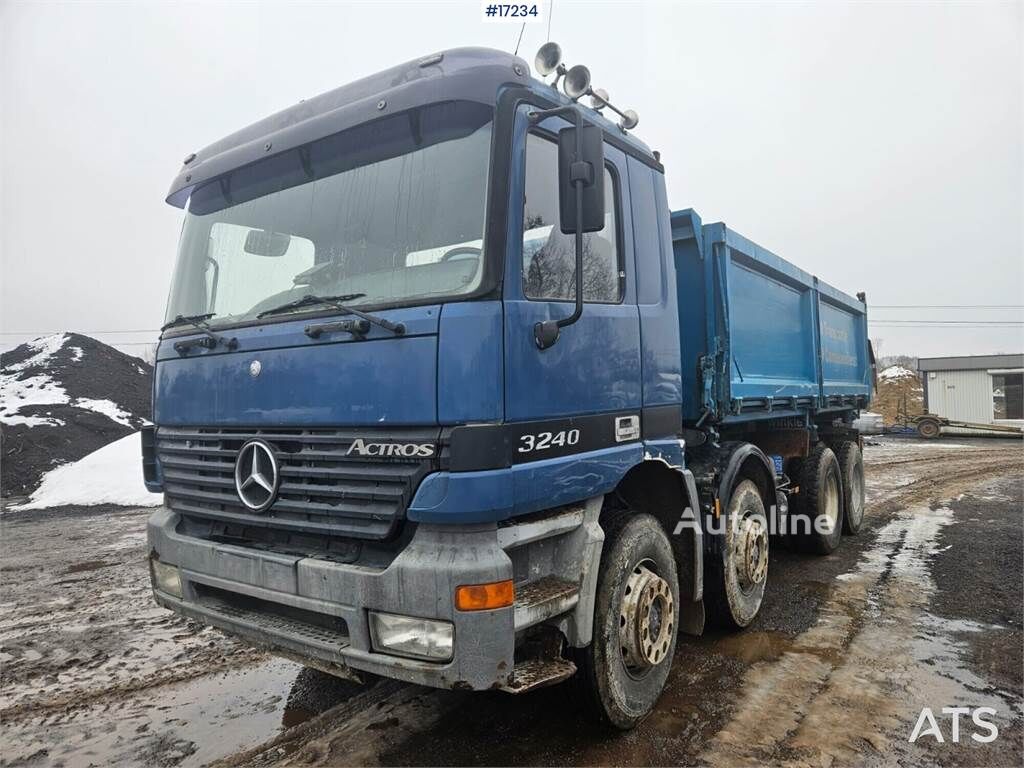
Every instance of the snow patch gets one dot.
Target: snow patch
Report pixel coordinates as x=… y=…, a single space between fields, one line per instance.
x=108 y=408
x=897 y=372
x=16 y=393
x=31 y=421
x=111 y=475
x=45 y=347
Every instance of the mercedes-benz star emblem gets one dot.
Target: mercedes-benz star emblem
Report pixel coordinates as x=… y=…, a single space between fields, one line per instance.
x=256 y=475
x=254 y=368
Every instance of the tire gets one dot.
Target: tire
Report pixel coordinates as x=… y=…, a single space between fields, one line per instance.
x=929 y=428
x=620 y=685
x=851 y=469
x=819 y=507
x=734 y=589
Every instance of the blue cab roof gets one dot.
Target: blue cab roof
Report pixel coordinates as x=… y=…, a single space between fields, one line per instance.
x=473 y=74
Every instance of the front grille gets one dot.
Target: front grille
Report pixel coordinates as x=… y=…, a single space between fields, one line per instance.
x=322 y=490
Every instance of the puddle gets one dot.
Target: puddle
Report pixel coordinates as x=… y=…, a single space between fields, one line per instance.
x=183 y=724
x=88 y=565
x=292 y=716
x=751 y=646
x=862 y=674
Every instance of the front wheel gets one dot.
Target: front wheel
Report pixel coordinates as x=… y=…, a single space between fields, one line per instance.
x=623 y=670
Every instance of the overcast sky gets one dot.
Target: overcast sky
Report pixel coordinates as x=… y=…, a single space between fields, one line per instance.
x=877 y=145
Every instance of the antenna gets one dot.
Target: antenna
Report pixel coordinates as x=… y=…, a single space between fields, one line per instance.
x=521 y=30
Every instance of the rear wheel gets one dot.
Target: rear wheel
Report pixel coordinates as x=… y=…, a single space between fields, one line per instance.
x=819 y=514
x=928 y=428
x=736 y=584
x=851 y=468
x=623 y=670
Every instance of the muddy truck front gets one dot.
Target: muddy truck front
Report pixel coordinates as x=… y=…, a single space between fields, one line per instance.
x=421 y=406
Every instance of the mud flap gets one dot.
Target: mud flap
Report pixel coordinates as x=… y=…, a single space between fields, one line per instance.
x=691 y=617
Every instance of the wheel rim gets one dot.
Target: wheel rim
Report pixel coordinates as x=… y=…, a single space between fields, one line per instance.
x=830 y=510
x=646 y=619
x=750 y=552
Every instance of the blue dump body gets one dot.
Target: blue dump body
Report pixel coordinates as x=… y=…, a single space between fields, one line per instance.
x=771 y=340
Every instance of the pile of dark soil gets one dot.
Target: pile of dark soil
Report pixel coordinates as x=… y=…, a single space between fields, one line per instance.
x=61 y=398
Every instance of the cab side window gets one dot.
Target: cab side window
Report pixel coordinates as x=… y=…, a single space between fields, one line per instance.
x=549 y=257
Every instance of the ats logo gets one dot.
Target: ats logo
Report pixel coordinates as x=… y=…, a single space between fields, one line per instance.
x=360 y=447
x=984 y=730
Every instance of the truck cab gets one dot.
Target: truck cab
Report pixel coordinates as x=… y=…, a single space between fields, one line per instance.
x=371 y=460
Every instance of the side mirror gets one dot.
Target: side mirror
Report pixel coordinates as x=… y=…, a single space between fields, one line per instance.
x=262 y=242
x=580 y=199
x=586 y=163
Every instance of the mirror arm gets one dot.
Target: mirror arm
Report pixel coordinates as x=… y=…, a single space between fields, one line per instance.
x=546 y=332
x=216 y=280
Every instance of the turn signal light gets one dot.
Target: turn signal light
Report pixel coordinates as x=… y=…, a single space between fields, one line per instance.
x=483 y=597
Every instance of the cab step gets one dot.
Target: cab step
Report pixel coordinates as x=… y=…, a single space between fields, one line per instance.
x=537 y=601
x=536 y=673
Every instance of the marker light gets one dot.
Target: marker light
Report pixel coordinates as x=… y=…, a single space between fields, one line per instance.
x=483 y=597
x=409 y=636
x=548 y=58
x=577 y=81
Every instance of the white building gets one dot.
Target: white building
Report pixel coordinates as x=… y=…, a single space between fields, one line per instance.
x=982 y=389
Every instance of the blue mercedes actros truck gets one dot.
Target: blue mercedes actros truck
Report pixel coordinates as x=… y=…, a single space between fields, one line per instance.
x=447 y=394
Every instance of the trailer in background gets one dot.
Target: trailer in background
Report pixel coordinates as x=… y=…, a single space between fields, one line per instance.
x=972 y=395
x=930 y=426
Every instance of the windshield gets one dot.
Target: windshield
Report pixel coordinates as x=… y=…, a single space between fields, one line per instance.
x=392 y=210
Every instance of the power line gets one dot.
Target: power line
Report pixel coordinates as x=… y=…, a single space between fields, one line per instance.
x=133 y=344
x=946 y=306
x=945 y=323
x=83 y=333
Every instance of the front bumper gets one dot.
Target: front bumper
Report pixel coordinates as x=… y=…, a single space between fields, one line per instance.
x=317 y=609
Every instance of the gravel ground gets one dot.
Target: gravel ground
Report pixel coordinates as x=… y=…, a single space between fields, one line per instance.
x=921 y=609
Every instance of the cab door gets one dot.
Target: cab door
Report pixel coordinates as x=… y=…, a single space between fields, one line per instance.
x=594 y=367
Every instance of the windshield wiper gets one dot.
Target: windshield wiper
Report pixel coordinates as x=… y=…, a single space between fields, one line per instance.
x=187 y=320
x=310 y=300
x=209 y=339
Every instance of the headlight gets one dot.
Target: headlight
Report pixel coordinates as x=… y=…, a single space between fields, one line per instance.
x=166 y=578
x=408 y=636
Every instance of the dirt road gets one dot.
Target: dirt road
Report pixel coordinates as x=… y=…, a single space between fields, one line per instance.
x=922 y=609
